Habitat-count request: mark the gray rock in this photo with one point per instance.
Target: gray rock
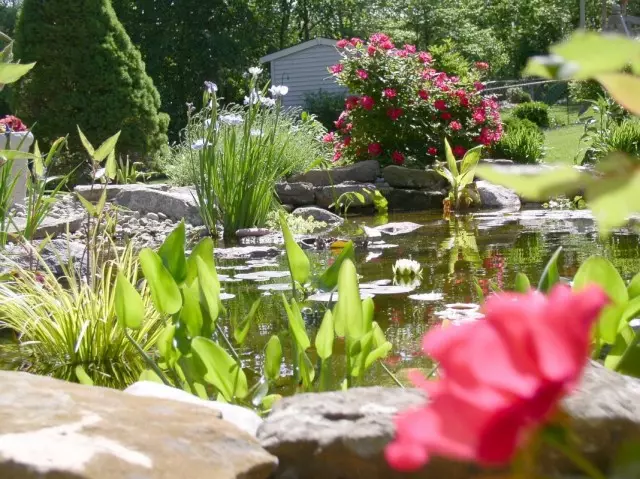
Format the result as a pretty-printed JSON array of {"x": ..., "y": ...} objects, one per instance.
[
  {"x": 253, "y": 232},
  {"x": 362, "y": 172},
  {"x": 414, "y": 200},
  {"x": 326, "y": 195},
  {"x": 241, "y": 417},
  {"x": 489, "y": 161},
  {"x": 496, "y": 196},
  {"x": 401, "y": 177},
  {"x": 56, "y": 255},
  {"x": 52, "y": 226},
  {"x": 93, "y": 193},
  {"x": 57, "y": 429},
  {"x": 241, "y": 252},
  {"x": 401, "y": 228},
  {"x": 153, "y": 216},
  {"x": 296, "y": 194},
  {"x": 342, "y": 434},
  {"x": 318, "y": 214}
]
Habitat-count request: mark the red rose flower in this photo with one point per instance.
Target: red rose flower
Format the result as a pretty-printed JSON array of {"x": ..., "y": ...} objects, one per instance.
[
  {"x": 362, "y": 74},
  {"x": 389, "y": 93},
  {"x": 367, "y": 102},
  {"x": 410, "y": 48},
  {"x": 371, "y": 50},
  {"x": 394, "y": 113},
  {"x": 459, "y": 150},
  {"x": 374, "y": 149},
  {"x": 343, "y": 43},
  {"x": 425, "y": 57},
  {"x": 351, "y": 102},
  {"x": 503, "y": 377},
  {"x": 355, "y": 41},
  {"x": 335, "y": 69},
  {"x": 482, "y": 65},
  {"x": 339, "y": 123},
  {"x": 13, "y": 123},
  {"x": 432, "y": 150},
  {"x": 397, "y": 157},
  {"x": 378, "y": 38},
  {"x": 329, "y": 138},
  {"x": 464, "y": 102},
  {"x": 337, "y": 155},
  {"x": 347, "y": 141},
  {"x": 479, "y": 115},
  {"x": 440, "y": 105},
  {"x": 446, "y": 116},
  {"x": 423, "y": 94},
  {"x": 455, "y": 126},
  {"x": 479, "y": 86}
]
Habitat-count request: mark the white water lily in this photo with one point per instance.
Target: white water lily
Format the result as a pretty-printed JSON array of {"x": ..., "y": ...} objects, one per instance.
[
  {"x": 255, "y": 71},
  {"x": 407, "y": 267},
  {"x": 200, "y": 144},
  {"x": 278, "y": 90},
  {"x": 231, "y": 119},
  {"x": 407, "y": 281}
]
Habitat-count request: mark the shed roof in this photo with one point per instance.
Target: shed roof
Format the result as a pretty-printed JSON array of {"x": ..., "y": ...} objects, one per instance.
[{"x": 298, "y": 48}]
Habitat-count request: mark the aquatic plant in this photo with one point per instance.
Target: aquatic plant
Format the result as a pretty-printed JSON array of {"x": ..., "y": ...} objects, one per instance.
[
  {"x": 407, "y": 267},
  {"x": 461, "y": 178}
]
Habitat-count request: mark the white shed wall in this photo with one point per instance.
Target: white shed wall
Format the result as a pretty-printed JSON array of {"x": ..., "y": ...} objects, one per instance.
[{"x": 306, "y": 71}]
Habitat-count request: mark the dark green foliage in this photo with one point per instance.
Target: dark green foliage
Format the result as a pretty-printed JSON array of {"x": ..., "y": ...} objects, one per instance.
[
  {"x": 88, "y": 73},
  {"x": 517, "y": 95},
  {"x": 585, "y": 90},
  {"x": 624, "y": 138},
  {"x": 325, "y": 106},
  {"x": 536, "y": 111},
  {"x": 522, "y": 142}
]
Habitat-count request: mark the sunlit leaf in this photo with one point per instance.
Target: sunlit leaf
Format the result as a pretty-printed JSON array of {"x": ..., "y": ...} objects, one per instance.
[
  {"x": 359, "y": 353},
  {"x": 451, "y": 159},
  {"x": 82, "y": 376},
  {"x": 522, "y": 284},
  {"x": 209, "y": 294},
  {"x": 329, "y": 279},
  {"x": 378, "y": 353},
  {"x": 204, "y": 250},
  {"x": 222, "y": 371},
  {"x": 165, "y": 344},
  {"x": 348, "y": 309},
  {"x": 191, "y": 312},
  {"x": 550, "y": 275},
  {"x": 296, "y": 323},
  {"x": 149, "y": 375},
  {"x": 468, "y": 166},
  {"x": 87, "y": 205},
  {"x": 107, "y": 147},
  {"x": 269, "y": 400},
  {"x": 38, "y": 164},
  {"x": 273, "y": 358},
  {"x": 165, "y": 293},
  {"x": 324, "y": 337},
  {"x": 368, "y": 311},
  {"x": 623, "y": 88},
  {"x": 240, "y": 332},
  {"x": 172, "y": 253},
  {"x": 307, "y": 371},
  {"x": 86, "y": 143},
  {"x": 12, "y": 72},
  {"x": 299, "y": 265},
  {"x": 128, "y": 304},
  {"x": 378, "y": 335},
  {"x": 111, "y": 166},
  {"x": 600, "y": 271},
  {"x": 634, "y": 287}
]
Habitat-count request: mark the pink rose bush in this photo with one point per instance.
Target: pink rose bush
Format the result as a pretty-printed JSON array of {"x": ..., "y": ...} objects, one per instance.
[
  {"x": 402, "y": 106},
  {"x": 502, "y": 377}
]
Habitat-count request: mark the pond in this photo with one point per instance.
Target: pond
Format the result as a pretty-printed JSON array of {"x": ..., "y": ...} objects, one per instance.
[{"x": 482, "y": 250}]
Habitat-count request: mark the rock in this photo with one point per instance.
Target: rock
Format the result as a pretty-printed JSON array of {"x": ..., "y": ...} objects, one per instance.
[
  {"x": 342, "y": 434},
  {"x": 362, "y": 172},
  {"x": 52, "y": 226},
  {"x": 296, "y": 194},
  {"x": 489, "y": 161},
  {"x": 326, "y": 195},
  {"x": 162, "y": 216},
  {"x": 253, "y": 232},
  {"x": 414, "y": 200},
  {"x": 56, "y": 255},
  {"x": 51, "y": 428},
  {"x": 401, "y": 228},
  {"x": 318, "y": 214},
  {"x": 496, "y": 196},
  {"x": 153, "y": 216},
  {"x": 401, "y": 177},
  {"x": 241, "y": 252},
  {"x": 241, "y": 417}
]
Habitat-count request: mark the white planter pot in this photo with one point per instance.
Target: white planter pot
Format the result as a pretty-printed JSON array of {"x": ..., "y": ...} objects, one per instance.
[{"x": 19, "y": 166}]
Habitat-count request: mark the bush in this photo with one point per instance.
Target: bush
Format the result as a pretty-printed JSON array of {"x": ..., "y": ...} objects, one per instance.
[
  {"x": 88, "y": 73},
  {"x": 585, "y": 90},
  {"x": 522, "y": 142},
  {"x": 536, "y": 111},
  {"x": 447, "y": 59},
  {"x": 517, "y": 95},
  {"x": 624, "y": 138},
  {"x": 402, "y": 109},
  {"x": 325, "y": 106}
]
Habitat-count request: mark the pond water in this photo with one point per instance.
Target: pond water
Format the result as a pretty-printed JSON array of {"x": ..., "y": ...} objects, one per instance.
[{"x": 483, "y": 248}]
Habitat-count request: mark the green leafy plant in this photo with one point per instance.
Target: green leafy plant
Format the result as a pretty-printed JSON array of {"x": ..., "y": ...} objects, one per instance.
[
  {"x": 522, "y": 142},
  {"x": 517, "y": 95},
  {"x": 460, "y": 178},
  {"x": 325, "y": 106},
  {"x": 603, "y": 116},
  {"x": 127, "y": 172},
  {"x": 537, "y": 112}
]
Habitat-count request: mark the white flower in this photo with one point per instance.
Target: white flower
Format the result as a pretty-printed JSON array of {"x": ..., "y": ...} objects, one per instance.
[
  {"x": 278, "y": 90},
  {"x": 210, "y": 87},
  {"x": 253, "y": 98},
  {"x": 267, "y": 101},
  {"x": 256, "y": 132},
  {"x": 231, "y": 119},
  {"x": 200, "y": 144},
  {"x": 255, "y": 71},
  {"x": 407, "y": 267}
]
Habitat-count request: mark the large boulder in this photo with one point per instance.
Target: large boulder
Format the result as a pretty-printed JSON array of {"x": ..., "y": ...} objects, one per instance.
[
  {"x": 326, "y": 195},
  {"x": 414, "y": 200},
  {"x": 401, "y": 177},
  {"x": 296, "y": 194},
  {"x": 56, "y": 429},
  {"x": 361, "y": 172},
  {"x": 174, "y": 203},
  {"x": 496, "y": 196},
  {"x": 343, "y": 434},
  {"x": 318, "y": 214}
]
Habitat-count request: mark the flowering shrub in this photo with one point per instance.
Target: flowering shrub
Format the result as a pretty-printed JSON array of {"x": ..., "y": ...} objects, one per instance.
[
  {"x": 502, "y": 377},
  {"x": 401, "y": 109},
  {"x": 11, "y": 123}
]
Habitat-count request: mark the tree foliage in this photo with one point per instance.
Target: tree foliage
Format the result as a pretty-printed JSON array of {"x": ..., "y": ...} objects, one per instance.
[{"x": 88, "y": 73}]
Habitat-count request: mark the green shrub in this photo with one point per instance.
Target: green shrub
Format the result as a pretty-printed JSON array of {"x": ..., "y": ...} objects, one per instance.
[
  {"x": 624, "y": 138},
  {"x": 585, "y": 90},
  {"x": 517, "y": 95},
  {"x": 88, "y": 73},
  {"x": 522, "y": 142},
  {"x": 447, "y": 58},
  {"x": 536, "y": 111},
  {"x": 325, "y": 106}
]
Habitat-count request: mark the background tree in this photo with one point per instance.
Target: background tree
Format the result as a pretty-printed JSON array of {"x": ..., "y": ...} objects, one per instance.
[{"x": 88, "y": 73}]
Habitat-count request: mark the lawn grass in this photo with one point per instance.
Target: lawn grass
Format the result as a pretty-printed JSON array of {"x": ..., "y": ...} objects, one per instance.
[{"x": 563, "y": 144}]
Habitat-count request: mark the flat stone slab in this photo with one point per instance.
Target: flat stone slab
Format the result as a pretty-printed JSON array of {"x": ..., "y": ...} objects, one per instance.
[
  {"x": 327, "y": 195},
  {"x": 318, "y": 214},
  {"x": 52, "y": 226},
  {"x": 361, "y": 172},
  {"x": 401, "y": 177},
  {"x": 51, "y": 428},
  {"x": 245, "y": 252},
  {"x": 414, "y": 200},
  {"x": 296, "y": 194}
]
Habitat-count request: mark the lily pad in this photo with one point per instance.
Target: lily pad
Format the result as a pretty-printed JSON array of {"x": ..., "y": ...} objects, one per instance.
[
  {"x": 224, "y": 296},
  {"x": 401, "y": 228},
  {"x": 373, "y": 255},
  {"x": 326, "y": 297},
  {"x": 376, "y": 284},
  {"x": 275, "y": 287},
  {"x": 464, "y": 307},
  {"x": 262, "y": 275},
  {"x": 392, "y": 289},
  {"x": 381, "y": 245},
  {"x": 427, "y": 296},
  {"x": 235, "y": 268}
]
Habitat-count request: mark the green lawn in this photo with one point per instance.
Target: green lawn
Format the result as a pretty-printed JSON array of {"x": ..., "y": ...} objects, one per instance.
[{"x": 563, "y": 144}]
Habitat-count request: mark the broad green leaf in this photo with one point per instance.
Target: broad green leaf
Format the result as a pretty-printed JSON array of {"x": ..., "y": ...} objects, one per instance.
[
  {"x": 240, "y": 332},
  {"x": 101, "y": 202},
  {"x": 378, "y": 335},
  {"x": 128, "y": 304},
  {"x": 222, "y": 371},
  {"x": 550, "y": 275},
  {"x": 359, "y": 353},
  {"x": 446, "y": 174},
  {"x": 209, "y": 293},
  {"x": 149, "y": 375},
  {"x": 83, "y": 377},
  {"x": 165, "y": 293},
  {"x": 348, "y": 309},
  {"x": 17, "y": 154},
  {"x": 600, "y": 271},
  {"x": 368, "y": 311},
  {"x": 329, "y": 278},
  {"x": 107, "y": 147},
  {"x": 87, "y": 205},
  {"x": 307, "y": 371},
  {"x": 12, "y": 72},
  {"x": 378, "y": 353},
  {"x": 468, "y": 167},
  {"x": 86, "y": 143},
  {"x": 296, "y": 323},
  {"x": 38, "y": 164},
  {"x": 634, "y": 287},
  {"x": 191, "y": 312},
  {"x": 537, "y": 186},
  {"x": 204, "y": 250},
  {"x": 522, "y": 284},
  {"x": 165, "y": 344},
  {"x": 269, "y": 400},
  {"x": 259, "y": 391},
  {"x": 324, "y": 337},
  {"x": 111, "y": 166},
  {"x": 273, "y": 358},
  {"x": 451, "y": 159},
  {"x": 623, "y": 88},
  {"x": 299, "y": 265},
  {"x": 53, "y": 151},
  {"x": 172, "y": 253},
  {"x": 608, "y": 324}
]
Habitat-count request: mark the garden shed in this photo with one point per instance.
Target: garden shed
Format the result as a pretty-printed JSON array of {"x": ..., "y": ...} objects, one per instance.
[{"x": 303, "y": 68}]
